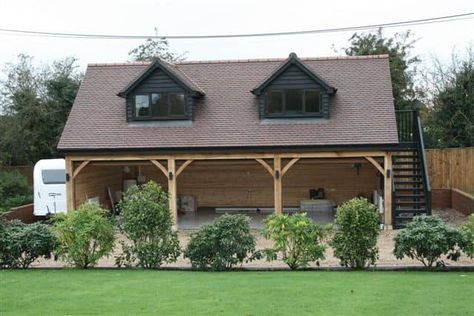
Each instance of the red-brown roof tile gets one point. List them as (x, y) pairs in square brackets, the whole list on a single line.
[(361, 112)]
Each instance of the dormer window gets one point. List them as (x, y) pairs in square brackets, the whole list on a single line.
[(293, 90), (160, 106), (300, 102), (161, 92)]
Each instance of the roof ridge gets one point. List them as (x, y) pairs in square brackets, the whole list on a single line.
[(227, 61)]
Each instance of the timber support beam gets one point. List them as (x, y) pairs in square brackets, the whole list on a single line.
[(388, 188), (172, 198), (277, 184)]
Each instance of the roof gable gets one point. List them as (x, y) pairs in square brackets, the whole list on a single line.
[(292, 62), (176, 75)]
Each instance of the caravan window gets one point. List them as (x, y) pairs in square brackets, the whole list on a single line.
[(54, 176)]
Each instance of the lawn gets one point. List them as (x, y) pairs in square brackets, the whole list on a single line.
[(119, 292)]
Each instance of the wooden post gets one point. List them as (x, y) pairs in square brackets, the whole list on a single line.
[(70, 187), (172, 190), (388, 190), (277, 184)]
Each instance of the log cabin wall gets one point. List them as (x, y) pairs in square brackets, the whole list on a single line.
[(93, 181), (341, 181), (242, 183)]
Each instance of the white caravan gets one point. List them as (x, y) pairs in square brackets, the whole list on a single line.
[(49, 185)]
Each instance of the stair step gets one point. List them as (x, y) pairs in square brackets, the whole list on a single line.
[(408, 182), (399, 163), (410, 210), (409, 196), (406, 169), (410, 190), (413, 176), (409, 203)]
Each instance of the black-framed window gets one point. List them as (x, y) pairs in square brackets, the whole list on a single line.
[(142, 106), (165, 105), (294, 102)]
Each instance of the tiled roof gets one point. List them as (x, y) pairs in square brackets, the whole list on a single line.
[(361, 112)]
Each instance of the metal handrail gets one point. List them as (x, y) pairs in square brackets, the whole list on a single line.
[(426, 178)]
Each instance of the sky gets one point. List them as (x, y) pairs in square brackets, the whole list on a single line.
[(201, 17)]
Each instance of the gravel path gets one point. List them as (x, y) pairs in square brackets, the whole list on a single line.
[(385, 244)]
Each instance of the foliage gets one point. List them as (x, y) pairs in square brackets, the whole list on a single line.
[(223, 243), (356, 232), (401, 62), (21, 244), (34, 105), (153, 49), (450, 119), (14, 190), (426, 239), (84, 235), (296, 237), (147, 223), (15, 201), (467, 230)]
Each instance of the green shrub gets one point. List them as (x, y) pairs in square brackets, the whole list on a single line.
[(426, 239), (467, 230), (225, 242), (14, 190), (15, 201), (84, 235), (21, 244), (356, 231), (296, 237), (147, 223)]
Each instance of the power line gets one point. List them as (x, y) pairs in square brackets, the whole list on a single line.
[(440, 19)]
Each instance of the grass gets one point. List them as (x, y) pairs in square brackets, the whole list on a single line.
[(123, 292)]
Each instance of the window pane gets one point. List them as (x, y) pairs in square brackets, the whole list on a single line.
[(294, 101), (275, 102), (177, 104), (155, 97), (142, 106), (162, 105), (54, 176), (312, 101)]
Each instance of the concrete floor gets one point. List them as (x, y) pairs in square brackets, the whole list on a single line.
[(194, 220)]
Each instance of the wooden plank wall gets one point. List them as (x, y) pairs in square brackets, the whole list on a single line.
[(94, 180), (451, 168), (247, 183)]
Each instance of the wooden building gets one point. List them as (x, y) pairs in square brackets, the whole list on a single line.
[(247, 134)]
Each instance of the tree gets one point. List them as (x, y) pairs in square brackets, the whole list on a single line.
[(401, 62), (153, 49), (34, 105), (450, 118)]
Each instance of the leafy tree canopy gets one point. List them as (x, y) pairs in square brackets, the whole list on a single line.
[(402, 63), (34, 105), (450, 119), (153, 49)]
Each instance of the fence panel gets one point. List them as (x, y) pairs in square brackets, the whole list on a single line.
[(451, 168)]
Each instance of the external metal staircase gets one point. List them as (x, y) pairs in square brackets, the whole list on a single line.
[(411, 187)]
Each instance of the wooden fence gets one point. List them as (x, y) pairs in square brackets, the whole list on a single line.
[(451, 168)]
